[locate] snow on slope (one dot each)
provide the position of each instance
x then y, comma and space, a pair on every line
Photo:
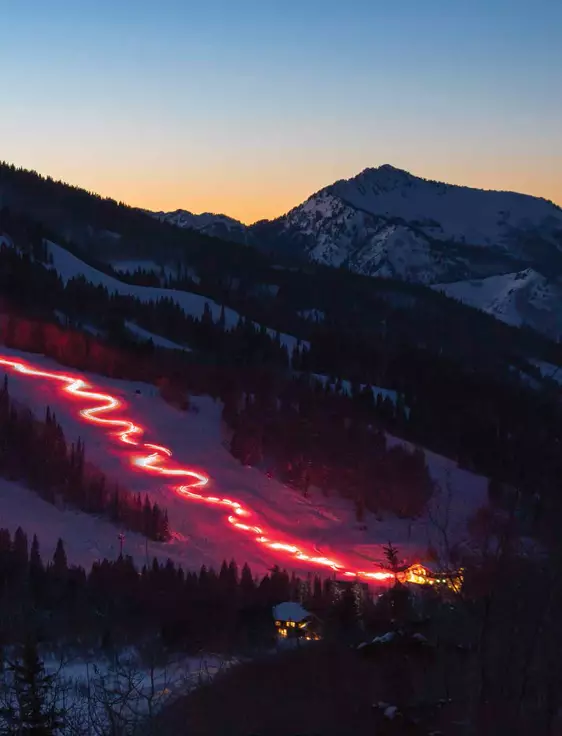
394, 252
334, 233
520, 298
496, 295
447, 211
384, 393
163, 270
156, 339
160, 685
201, 534
549, 370
86, 537
440, 211
69, 266
314, 315
132, 266
327, 224
360, 221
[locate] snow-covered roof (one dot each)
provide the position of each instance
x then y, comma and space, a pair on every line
290, 612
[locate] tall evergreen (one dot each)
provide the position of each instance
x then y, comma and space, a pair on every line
33, 709
60, 564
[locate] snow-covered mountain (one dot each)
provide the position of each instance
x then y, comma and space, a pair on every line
523, 298
499, 251
447, 212
218, 226
475, 244
327, 230
387, 222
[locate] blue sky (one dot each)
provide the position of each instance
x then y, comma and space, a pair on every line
248, 107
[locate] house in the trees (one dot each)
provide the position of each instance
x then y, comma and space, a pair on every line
292, 621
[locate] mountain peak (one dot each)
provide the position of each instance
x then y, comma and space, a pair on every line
386, 168
382, 170
377, 180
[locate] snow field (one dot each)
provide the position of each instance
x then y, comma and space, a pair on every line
201, 534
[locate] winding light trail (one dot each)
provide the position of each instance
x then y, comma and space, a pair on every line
156, 460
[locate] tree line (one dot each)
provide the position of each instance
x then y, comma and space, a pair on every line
486, 655
116, 604
308, 439
484, 418
37, 454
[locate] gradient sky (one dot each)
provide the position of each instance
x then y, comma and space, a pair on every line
249, 106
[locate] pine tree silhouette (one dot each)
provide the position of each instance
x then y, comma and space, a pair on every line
33, 709
60, 564
392, 561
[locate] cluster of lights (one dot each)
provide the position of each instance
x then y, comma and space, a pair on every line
283, 628
130, 434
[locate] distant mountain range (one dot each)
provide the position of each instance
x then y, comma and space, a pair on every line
217, 226
498, 251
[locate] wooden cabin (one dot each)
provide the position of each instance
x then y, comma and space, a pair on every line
292, 621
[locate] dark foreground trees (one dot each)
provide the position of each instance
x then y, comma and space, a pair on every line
433, 674
29, 699
486, 657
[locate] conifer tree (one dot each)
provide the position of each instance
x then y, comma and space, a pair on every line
33, 708
35, 561
60, 564
391, 558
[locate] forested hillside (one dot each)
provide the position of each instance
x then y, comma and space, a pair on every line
330, 382
456, 372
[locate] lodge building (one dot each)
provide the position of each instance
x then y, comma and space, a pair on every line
292, 621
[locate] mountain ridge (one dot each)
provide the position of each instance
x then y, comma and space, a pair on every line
210, 223
389, 223
400, 175
326, 231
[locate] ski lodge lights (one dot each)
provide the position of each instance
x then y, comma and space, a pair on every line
420, 575
292, 621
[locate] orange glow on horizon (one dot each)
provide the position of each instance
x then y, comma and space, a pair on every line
254, 201
251, 194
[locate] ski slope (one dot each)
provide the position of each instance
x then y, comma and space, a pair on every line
157, 340
68, 266
304, 534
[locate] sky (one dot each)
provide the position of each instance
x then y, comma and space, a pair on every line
249, 106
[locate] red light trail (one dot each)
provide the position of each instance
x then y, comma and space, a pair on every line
157, 457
